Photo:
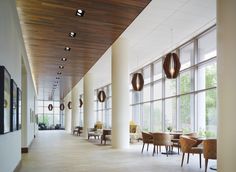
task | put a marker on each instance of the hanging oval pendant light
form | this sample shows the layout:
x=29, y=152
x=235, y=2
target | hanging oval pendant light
x=62, y=106
x=137, y=81
x=80, y=102
x=171, y=65
x=101, y=96
x=69, y=105
x=50, y=107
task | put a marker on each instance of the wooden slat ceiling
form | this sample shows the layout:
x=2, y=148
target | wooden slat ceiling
x=46, y=25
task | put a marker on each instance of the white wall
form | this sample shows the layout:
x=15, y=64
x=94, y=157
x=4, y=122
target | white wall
x=12, y=49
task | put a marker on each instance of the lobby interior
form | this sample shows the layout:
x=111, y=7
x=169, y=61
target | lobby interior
x=61, y=54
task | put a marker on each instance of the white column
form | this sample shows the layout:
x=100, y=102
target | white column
x=89, y=116
x=120, y=94
x=68, y=115
x=75, y=108
x=226, y=65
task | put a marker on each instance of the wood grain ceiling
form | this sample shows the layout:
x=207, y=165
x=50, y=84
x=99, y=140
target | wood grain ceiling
x=46, y=25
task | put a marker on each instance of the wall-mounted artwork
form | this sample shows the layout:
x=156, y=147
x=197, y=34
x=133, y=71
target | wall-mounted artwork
x=5, y=103
x=19, y=100
x=13, y=106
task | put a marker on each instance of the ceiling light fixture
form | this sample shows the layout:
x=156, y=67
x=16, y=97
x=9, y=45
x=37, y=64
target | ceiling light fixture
x=61, y=67
x=137, y=81
x=80, y=12
x=57, y=77
x=58, y=73
x=72, y=34
x=63, y=59
x=67, y=48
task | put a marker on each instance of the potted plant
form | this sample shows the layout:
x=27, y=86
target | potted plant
x=169, y=128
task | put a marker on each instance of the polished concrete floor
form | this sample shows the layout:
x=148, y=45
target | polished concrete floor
x=58, y=151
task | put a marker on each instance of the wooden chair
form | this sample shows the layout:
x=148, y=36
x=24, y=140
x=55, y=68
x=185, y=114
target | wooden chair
x=175, y=139
x=161, y=139
x=209, y=150
x=187, y=146
x=147, y=139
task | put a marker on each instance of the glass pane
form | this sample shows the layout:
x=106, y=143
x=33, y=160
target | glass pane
x=40, y=118
x=40, y=110
x=207, y=76
x=207, y=113
x=48, y=120
x=147, y=74
x=157, y=90
x=170, y=113
x=186, y=118
x=39, y=103
x=136, y=114
x=56, y=103
x=136, y=96
x=110, y=90
x=157, y=116
x=170, y=87
x=47, y=111
x=46, y=103
x=99, y=116
x=157, y=70
x=207, y=46
x=186, y=56
x=185, y=82
x=146, y=117
x=56, y=119
x=146, y=93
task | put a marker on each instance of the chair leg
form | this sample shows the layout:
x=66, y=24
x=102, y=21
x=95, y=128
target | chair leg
x=182, y=160
x=153, y=150
x=200, y=159
x=167, y=151
x=157, y=149
x=143, y=148
x=188, y=159
x=206, y=164
x=147, y=146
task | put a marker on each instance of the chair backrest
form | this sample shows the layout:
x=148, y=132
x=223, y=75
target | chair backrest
x=146, y=137
x=98, y=126
x=193, y=135
x=209, y=148
x=106, y=132
x=186, y=143
x=161, y=138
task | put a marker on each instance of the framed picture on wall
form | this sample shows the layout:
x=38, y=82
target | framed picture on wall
x=13, y=106
x=19, y=104
x=5, y=102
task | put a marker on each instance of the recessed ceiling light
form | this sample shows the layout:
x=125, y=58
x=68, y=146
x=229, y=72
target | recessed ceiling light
x=67, y=49
x=55, y=85
x=72, y=34
x=58, y=73
x=63, y=59
x=57, y=77
x=80, y=12
x=61, y=67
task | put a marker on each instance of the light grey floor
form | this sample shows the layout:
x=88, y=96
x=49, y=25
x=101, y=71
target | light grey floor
x=57, y=151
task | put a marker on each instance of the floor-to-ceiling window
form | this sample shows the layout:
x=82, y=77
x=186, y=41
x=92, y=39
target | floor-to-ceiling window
x=103, y=110
x=50, y=118
x=186, y=103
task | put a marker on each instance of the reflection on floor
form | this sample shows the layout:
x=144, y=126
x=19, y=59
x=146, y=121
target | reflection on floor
x=58, y=151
